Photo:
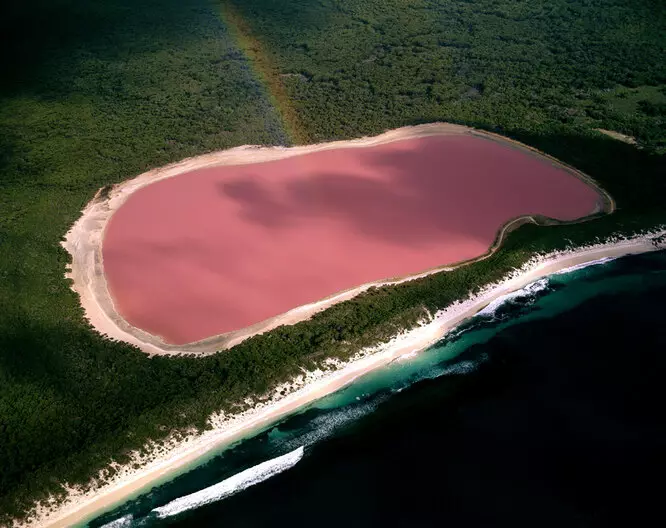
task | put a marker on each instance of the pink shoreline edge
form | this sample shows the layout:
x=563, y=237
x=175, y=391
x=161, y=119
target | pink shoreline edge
x=219, y=249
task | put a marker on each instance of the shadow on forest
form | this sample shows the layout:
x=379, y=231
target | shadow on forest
x=45, y=41
x=8, y=145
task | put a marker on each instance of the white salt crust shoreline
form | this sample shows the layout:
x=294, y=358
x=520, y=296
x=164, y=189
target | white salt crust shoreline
x=84, y=240
x=164, y=462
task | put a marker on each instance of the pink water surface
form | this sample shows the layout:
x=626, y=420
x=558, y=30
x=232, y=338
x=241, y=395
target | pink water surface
x=219, y=249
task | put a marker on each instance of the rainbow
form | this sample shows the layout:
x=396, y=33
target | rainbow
x=264, y=68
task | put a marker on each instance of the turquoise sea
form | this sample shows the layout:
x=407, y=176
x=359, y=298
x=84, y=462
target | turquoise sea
x=544, y=410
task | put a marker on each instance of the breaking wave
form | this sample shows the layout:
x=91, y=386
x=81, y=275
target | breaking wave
x=122, y=522
x=464, y=367
x=527, y=291
x=325, y=425
x=408, y=356
x=227, y=487
x=584, y=265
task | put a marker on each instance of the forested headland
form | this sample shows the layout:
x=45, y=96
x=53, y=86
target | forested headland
x=93, y=93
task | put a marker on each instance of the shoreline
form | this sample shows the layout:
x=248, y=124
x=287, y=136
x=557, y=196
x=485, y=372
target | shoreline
x=84, y=239
x=81, y=506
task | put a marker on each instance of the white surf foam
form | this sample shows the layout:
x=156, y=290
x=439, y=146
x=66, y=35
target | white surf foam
x=530, y=289
x=585, y=265
x=465, y=366
x=410, y=355
x=462, y=367
x=238, y=482
x=325, y=425
x=122, y=522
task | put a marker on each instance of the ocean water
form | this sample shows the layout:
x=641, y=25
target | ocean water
x=544, y=410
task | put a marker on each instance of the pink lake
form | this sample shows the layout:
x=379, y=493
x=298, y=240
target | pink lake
x=218, y=249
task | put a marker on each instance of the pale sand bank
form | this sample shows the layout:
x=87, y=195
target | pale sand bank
x=618, y=135
x=312, y=386
x=84, y=240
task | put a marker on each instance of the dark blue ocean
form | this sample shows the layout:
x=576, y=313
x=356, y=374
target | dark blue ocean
x=545, y=411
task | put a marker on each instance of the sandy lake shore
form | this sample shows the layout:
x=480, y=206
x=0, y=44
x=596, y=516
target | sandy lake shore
x=84, y=240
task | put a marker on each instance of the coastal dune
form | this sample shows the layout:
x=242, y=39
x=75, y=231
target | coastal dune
x=200, y=255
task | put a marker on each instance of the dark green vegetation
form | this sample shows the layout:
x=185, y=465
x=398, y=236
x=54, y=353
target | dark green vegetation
x=265, y=71
x=95, y=92
x=367, y=65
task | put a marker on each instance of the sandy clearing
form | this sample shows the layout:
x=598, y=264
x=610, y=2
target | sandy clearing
x=618, y=135
x=84, y=240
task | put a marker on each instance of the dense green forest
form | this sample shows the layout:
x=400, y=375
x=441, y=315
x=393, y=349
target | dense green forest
x=93, y=93
x=362, y=66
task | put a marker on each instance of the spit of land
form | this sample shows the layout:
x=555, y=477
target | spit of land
x=162, y=464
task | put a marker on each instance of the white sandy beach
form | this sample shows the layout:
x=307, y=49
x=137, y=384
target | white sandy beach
x=127, y=481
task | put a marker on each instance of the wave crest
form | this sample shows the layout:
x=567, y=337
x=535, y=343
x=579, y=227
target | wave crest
x=531, y=289
x=122, y=522
x=584, y=265
x=227, y=487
